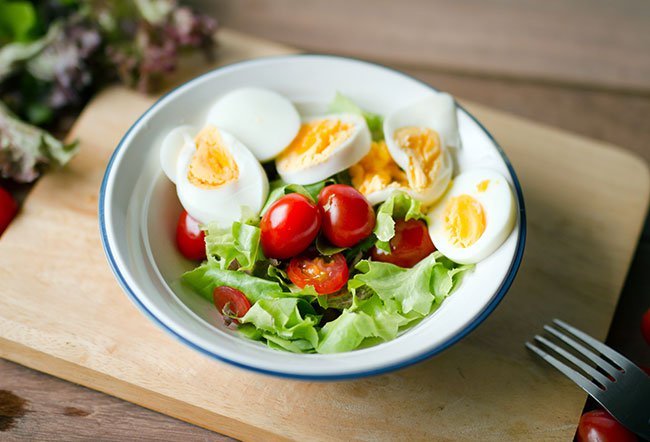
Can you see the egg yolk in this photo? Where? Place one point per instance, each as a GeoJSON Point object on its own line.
{"type": "Point", "coordinates": [483, 185]}
{"type": "Point", "coordinates": [464, 220]}
{"type": "Point", "coordinates": [314, 143]}
{"type": "Point", "coordinates": [377, 171]}
{"type": "Point", "coordinates": [422, 146]}
{"type": "Point", "coordinates": [212, 164]}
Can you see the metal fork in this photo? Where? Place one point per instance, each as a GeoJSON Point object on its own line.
{"type": "Point", "coordinates": [621, 387]}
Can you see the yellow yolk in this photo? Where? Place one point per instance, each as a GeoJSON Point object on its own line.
{"type": "Point", "coordinates": [377, 171]}
{"type": "Point", "coordinates": [464, 220]}
{"type": "Point", "coordinates": [314, 143]}
{"type": "Point", "coordinates": [483, 185]}
{"type": "Point", "coordinates": [422, 146]}
{"type": "Point", "coordinates": [212, 164]}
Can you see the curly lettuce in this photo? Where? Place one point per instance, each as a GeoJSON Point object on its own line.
{"type": "Point", "coordinates": [398, 206]}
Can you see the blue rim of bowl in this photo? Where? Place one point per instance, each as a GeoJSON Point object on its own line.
{"type": "Point", "coordinates": [487, 310]}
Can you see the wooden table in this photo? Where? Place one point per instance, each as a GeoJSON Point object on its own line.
{"type": "Point", "coordinates": [582, 66]}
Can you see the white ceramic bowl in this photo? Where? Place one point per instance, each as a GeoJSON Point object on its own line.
{"type": "Point", "coordinates": [138, 210]}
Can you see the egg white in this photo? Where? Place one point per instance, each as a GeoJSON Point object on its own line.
{"type": "Point", "coordinates": [262, 119]}
{"type": "Point", "coordinates": [349, 152]}
{"type": "Point", "coordinates": [171, 147]}
{"type": "Point", "coordinates": [436, 112]}
{"type": "Point", "coordinates": [499, 208]}
{"type": "Point", "coordinates": [231, 201]}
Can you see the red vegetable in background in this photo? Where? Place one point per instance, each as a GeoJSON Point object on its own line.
{"type": "Point", "coordinates": [289, 226]}
{"type": "Point", "coordinates": [600, 426]}
{"type": "Point", "coordinates": [347, 215]}
{"type": "Point", "coordinates": [230, 301]}
{"type": "Point", "coordinates": [410, 245]}
{"type": "Point", "coordinates": [8, 209]}
{"type": "Point", "coordinates": [190, 239]}
{"type": "Point", "coordinates": [645, 326]}
{"type": "Point", "coordinates": [327, 274]}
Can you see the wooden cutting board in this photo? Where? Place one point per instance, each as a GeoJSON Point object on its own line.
{"type": "Point", "coordinates": [62, 312]}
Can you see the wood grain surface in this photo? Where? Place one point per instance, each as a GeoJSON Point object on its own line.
{"type": "Point", "coordinates": [589, 101]}
{"type": "Point", "coordinates": [480, 388]}
{"type": "Point", "coordinates": [578, 42]}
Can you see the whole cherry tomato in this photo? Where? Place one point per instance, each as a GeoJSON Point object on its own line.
{"type": "Point", "coordinates": [645, 326]}
{"type": "Point", "coordinates": [230, 302]}
{"type": "Point", "coordinates": [8, 209]}
{"type": "Point", "coordinates": [328, 274]}
{"type": "Point", "coordinates": [190, 239]}
{"type": "Point", "coordinates": [600, 426]}
{"type": "Point", "coordinates": [410, 245]}
{"type": "Point", "coordinates": [347, 215]}
{"type": "Point", "coordinates": [289, 226]}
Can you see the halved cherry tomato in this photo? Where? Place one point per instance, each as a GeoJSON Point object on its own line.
{"type": "Point", "coordinates": [410, 245]}
{"type": "Point", "coordinates": [645, 326]}
{"type": "Point", "coordinates": [328, 274]}
{"type": "Point", "coordinates": [230, 302]}
{"type": "Point", "coordinates": [347, 215]}
{"type": "Point", "coordinates": [600, 426]}
{"type": "Point", "coordinates": [289, 226]}
{"type": "Point", "coordinates": [190, 239]}
{"type": "Point", "coordinates": [8, 209]}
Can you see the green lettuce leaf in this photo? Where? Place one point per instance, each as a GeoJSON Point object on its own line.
{"type": "Point", "coordinates": [209, 275]}
{"type": "Point", "coordinates": [240, 242]}
{"type": "Point", "coordinates": [289, 319]}
{"type": "Point", "coordinates": [409, 288]}
{"type": "Point", "coordinates": [26, 151]}
{"type": "Point", "coordinates": [385, 314]}
{"type": "Point", "coordinates": [375, 122]}
{"type": "Point", "coordinates": [398, 206]}
{"type": "Point", "coordinates": [346, 332]}
{"type": "Point", "coordinates": [279, 188]}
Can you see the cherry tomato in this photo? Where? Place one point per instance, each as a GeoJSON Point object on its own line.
{"type": "Point", "coordinates": [8, 209]}
{"type": "Point", "coordinates": [328, 274]}
{"type": "Point", "coordinates": [600, 426]}
{"type": "Point", "coordinates": [289, 226]}
{"type": "Point", "coordinates": [230, 301]}
{"type": "Point", "coordinates": [410, 245]}
{"type": "Point", "coordinates": [190, 239]}
{"type": "Point", "coordinates": [347, 215]}
{"type": "Point", "coordinates": [645, 326]}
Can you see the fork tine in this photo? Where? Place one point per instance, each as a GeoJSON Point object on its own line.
{"type": "Point", "coordinates": [569, 372]}
{"type": "Point", "coordinates": [577, 362]}
{"type": "Point", "coordinates": [602, 348]}
{"type": "Point", "coordinates": [593, 357]}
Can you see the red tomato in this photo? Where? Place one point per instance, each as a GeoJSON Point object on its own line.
{"type": "Point", "coordinates": [8, 209]}
{"type": "Point", "coordinates": [410, 245]}
{"type": "Point", "coordinates": [230, 301]}
{"type": "Point", "coordinates": [645, 326]}
{"type": "Point", "coordinates": [289, 226]}
{"type": "Point", "coordinates": [328, 274]}
{"type": "Point", "coordinates": [347, 215]}
{"type": "Point", "coordinates": [190, 239]}
{"type": "Point", "coordinates": [600, 426]}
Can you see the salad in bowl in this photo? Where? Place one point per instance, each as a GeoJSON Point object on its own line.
{"type": "Point", "coordinates": [311, 216]}
{"type": "Point", "coordinates": [327, 232]}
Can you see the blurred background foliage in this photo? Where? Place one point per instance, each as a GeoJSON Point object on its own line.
{"type": "Point", "coordinates": [55, 54]}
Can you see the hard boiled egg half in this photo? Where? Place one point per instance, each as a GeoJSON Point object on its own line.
{"type": "Point", "coordinates": [324, 146]}
{"type": "Point", "coordinates": [217, 178]}
{"type": "Point", "coordinates": [263, 120]}
{"type": "Point", "coordinates": [474, 217]}
{"type": "Point", "coordinates": [415, 156]}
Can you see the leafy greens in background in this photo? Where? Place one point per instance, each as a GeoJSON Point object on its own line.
{"type": "Point", "coordinates": [54, 54]}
